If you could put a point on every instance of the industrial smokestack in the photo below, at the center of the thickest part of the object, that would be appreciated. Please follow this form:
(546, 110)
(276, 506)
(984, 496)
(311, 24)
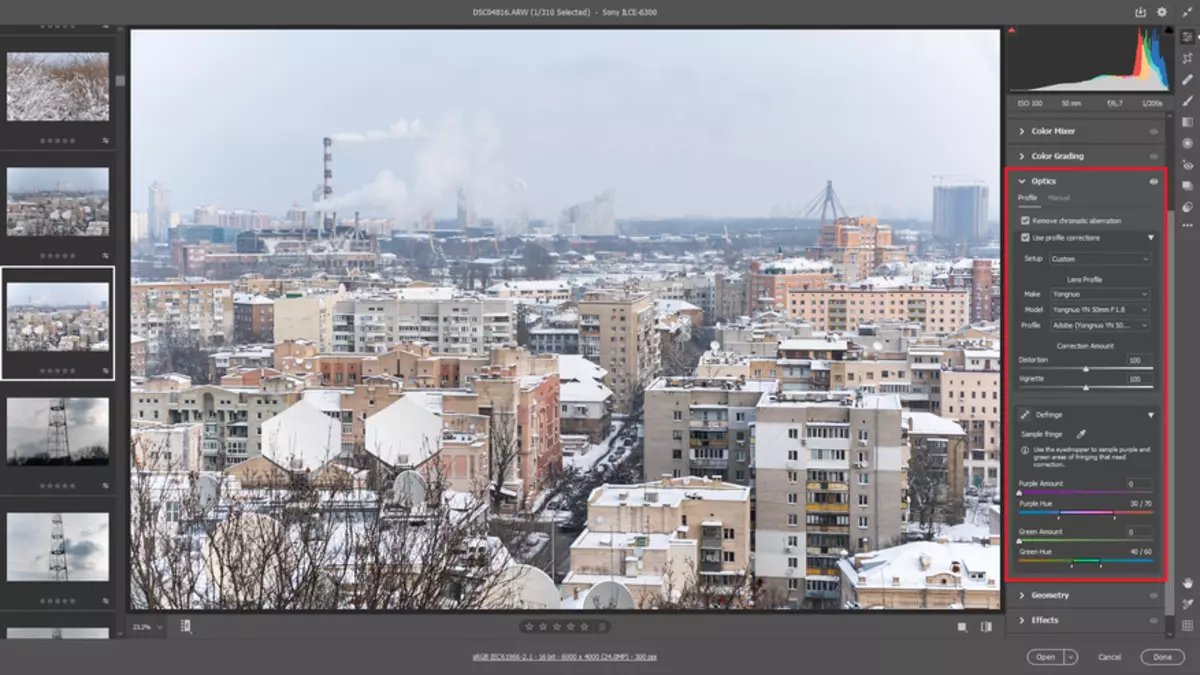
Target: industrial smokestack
(357, 230)
(327, 186)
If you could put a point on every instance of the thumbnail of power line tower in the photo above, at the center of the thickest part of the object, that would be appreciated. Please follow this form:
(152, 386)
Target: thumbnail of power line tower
(58, 550)
(56, 634)
(58, 444)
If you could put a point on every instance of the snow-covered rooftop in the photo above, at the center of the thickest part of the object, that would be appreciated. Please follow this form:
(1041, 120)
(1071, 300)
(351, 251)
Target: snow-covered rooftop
(618, 540)
(929, 424)
(670, 492)
(814, 344)
(920, 564)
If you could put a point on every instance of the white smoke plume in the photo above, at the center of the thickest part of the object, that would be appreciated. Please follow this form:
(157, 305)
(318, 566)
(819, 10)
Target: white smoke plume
(458, 153)
(401, 129)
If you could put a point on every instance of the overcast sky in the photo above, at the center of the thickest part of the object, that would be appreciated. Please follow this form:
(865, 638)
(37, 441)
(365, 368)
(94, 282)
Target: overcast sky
(87, 424)
(718, 123)
(51, 178)
(62, 294)
(28, 547)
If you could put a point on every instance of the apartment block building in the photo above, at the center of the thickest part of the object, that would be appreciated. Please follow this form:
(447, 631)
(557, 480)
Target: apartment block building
(701, 427)
(661, 537)
(307, 317)
(942, 574)
(857, 245)
(617, 331)
(452, 322)
(730, 294)
(767, 283)
(253, 319)
(828, 478)
(189, 309)
(548, 291)
(841, 307)
(970, 395)
(232, 416)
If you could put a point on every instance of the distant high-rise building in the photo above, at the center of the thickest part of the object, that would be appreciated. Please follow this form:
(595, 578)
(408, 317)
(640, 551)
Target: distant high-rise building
(594, 218)
(960, 213)
(159, 212)
(139, 226)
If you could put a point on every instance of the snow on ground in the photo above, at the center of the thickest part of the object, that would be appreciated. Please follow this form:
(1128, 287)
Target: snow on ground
(588, 459)
(531, 545)
(57, 87)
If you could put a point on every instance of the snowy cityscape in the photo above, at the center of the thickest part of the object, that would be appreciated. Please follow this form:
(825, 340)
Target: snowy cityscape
(57, 202)
(629, 346)
(57, 317)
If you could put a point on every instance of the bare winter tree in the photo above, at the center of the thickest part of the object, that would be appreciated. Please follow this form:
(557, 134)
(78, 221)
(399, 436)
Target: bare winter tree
(928, 496)
(504, 451)
(315, 542)
(685, 589)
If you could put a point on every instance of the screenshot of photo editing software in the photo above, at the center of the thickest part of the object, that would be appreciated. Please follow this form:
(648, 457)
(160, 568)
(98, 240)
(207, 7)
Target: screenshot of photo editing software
(684, 337)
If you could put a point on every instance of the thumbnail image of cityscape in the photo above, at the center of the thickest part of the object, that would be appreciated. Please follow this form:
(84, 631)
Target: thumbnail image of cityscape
(56, 317)
(57, 202)
(718, 384)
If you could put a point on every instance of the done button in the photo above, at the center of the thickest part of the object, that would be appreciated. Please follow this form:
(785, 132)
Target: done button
(1163, 657)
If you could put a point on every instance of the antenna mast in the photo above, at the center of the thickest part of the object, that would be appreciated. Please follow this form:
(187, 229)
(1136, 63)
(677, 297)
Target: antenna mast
(58, 550)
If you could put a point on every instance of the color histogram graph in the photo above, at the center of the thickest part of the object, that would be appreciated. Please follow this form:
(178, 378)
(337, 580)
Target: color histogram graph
(1100, 59)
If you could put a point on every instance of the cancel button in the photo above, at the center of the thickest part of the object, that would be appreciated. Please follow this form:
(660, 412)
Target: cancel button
(1109, 657)
(1163, 657)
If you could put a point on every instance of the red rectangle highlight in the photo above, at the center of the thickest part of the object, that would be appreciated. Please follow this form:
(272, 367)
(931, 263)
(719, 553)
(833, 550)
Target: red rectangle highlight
(1004, 356)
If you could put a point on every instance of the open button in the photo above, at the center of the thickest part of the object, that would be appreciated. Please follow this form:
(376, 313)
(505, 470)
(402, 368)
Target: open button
(1045, 657)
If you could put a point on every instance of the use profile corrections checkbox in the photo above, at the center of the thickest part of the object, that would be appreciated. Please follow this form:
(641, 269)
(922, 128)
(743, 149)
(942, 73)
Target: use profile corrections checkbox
(1024, 236)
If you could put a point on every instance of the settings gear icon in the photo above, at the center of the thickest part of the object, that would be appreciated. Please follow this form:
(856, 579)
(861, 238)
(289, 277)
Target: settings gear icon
(1162, 12)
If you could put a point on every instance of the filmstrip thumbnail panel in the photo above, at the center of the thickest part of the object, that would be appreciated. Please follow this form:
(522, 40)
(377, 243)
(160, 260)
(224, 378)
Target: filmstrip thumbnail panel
(58, 555)
(58, 323)
(58, 144)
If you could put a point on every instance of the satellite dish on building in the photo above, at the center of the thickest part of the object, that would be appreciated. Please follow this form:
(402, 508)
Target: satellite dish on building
(523, 587)
(714, 345)
(409, 489)
(877, 345)
(608, 595)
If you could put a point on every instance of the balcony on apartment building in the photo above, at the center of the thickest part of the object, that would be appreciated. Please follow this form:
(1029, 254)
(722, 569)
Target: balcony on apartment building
(710, 546)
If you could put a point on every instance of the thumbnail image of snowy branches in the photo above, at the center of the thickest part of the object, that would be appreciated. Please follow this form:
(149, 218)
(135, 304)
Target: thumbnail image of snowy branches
(57, 87)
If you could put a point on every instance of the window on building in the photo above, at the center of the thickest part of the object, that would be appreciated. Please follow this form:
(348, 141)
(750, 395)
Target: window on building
(864, 479)
(793, 540)
(793, 477)
(793, 433)
(862, 522)
(793, 520)
(793, 455)
(677, 454)
(727, 556)
(793, 563)
(793, 584)
(792, 498)
(677, 435)
(678, 415)
(862, 500)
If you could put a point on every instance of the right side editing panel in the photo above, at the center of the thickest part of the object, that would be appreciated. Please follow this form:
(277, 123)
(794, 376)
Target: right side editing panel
(1086, 200)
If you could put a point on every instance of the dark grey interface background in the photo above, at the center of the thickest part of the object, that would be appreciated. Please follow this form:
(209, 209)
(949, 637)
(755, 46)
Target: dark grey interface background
(1101, 627)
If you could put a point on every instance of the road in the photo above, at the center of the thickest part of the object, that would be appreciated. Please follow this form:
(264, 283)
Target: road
(556, 552)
